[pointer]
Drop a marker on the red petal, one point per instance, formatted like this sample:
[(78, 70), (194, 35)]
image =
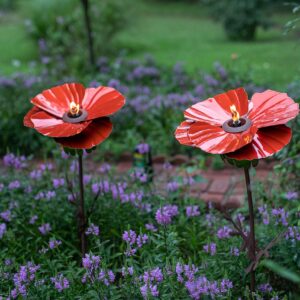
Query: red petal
[(102, 101), (272, 108), (49, 125), (93, 135), (214, 139), (266, 142), (181, 133), (216, 111), (56, 100), (27, 122)]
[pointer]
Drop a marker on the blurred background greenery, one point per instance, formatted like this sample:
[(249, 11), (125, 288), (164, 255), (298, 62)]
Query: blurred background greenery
[(187, 31)]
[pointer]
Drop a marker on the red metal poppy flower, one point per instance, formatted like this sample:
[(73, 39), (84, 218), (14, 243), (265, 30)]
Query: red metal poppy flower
[(230, 124), (74, 115)]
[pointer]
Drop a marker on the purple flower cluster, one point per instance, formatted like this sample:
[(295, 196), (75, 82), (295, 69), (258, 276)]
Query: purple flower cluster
[(105, 168), (172, 186), (118, 192), (133, 241), (23, 278), (139, 175), (2, 230), (281, 216), (210, 248), (150, 280), (234, 251), (58, 182), (44, 228), (60, 282), (13, 161), (292, 234), (48, 195), (92, 230), (127, 271), (6, 215), (54, 244), (201, 286), (291, 196), (224, 232), (143, 148), (165, 214), (264, 213), (151, 227), (94, 273), (36, 174), (265, 288), (14, 185), (192, 211)]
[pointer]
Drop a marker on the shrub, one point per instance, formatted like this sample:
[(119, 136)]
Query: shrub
[(241, 18), (63, 28)]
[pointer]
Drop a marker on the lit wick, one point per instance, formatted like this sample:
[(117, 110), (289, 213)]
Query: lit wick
[(235, 116), (74, 109)]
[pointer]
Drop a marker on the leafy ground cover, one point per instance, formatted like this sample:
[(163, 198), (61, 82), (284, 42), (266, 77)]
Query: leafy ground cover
[(144, 242)]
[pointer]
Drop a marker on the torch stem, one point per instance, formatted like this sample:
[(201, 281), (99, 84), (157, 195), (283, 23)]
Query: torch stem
[(81, 212), (251, 247)]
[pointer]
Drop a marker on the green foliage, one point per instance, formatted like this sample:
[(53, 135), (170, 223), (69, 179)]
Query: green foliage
[(64, 29), (7, 5), (241, 18)]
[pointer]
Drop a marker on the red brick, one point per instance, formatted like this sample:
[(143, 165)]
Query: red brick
[(220, 185), (179, 160), (124, 167), (200, 186), (212, 197), (159, 159), (234, 201)]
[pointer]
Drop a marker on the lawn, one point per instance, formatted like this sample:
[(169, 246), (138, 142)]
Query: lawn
[(174, 32), (15, 45)]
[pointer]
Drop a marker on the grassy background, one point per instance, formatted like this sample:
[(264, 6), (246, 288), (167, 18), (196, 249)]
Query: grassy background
[(174, 32)]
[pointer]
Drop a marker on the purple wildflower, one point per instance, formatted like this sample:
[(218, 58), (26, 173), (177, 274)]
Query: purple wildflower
[(210, 248), (58, 182), (192, 211), (14, 185), (151, 227), (44, 228), (224, 232), (291, 196), (265, 288), (281, 216), (2, 230), (172, 186), (92, 230), (165, 214), (234, 251), (54, 244), (60, 282), (143, 148), (6, 215), (33, 219)]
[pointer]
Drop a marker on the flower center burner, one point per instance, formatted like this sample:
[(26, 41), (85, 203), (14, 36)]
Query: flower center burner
[(236, 126), (81, 116)]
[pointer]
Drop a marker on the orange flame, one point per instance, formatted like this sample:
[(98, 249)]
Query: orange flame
[(74, 108), (235, 113)]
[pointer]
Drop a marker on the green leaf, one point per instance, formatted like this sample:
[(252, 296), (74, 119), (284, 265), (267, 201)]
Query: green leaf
[(281, 271)]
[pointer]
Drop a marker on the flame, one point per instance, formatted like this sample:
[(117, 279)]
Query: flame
[(74, 108), (235, 113)]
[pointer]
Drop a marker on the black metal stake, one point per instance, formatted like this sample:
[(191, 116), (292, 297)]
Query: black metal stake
[(87, 20), (252, 246)]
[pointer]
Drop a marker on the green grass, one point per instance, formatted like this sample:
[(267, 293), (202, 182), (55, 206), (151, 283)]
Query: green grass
[(174, 32), (15, 44), (177, 32)]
